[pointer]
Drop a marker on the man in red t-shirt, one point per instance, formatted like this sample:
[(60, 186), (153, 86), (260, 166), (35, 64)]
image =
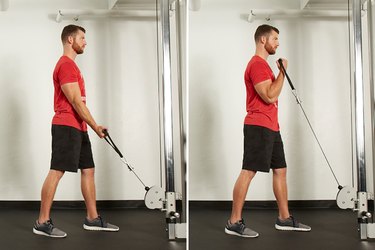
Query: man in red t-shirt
[(71, 147), (263, 146)]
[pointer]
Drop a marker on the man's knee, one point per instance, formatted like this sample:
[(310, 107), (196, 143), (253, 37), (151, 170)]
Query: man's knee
[(56, 174), (88, 171), (248, 173), (279, 172)]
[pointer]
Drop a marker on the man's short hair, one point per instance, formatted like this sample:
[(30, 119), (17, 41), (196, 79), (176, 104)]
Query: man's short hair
[(70, 30), (264, 30)]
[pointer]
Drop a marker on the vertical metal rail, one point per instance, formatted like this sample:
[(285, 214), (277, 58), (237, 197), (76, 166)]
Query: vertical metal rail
[(371, 79), (160, 92), (359, 114), (181, 15), (167, 115), (167, 92), (351, 75), (167, 96), (359, 96)]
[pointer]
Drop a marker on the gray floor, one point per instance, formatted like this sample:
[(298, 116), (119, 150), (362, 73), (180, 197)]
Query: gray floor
[(332, 229), (139, 229)]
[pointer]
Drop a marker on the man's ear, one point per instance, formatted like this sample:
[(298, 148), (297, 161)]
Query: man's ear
[(70, 39), (263, 39)]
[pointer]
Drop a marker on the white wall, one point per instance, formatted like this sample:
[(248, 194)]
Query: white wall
[(119, 66), (221, 43)]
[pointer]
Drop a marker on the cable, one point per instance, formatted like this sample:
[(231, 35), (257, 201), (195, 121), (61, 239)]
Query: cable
[(109, 140), (308, 121)]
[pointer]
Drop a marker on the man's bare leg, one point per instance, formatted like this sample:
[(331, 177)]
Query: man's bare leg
[(89, 192), (281, 192), (93, 222), (239, 194), (48, 193)]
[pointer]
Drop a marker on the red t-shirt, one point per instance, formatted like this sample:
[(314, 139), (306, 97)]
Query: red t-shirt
[(66, 71), (259, 112)]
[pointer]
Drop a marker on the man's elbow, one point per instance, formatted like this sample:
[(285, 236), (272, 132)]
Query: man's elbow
[(273, 100), (270, 100), (76, 102), (267, 97)]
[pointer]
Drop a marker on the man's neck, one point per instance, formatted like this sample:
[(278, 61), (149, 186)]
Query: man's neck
[(70, 53), (262, 53)]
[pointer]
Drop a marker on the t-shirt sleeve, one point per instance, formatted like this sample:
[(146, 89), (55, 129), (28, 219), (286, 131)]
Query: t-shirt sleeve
[(259, 73), (67, 73)]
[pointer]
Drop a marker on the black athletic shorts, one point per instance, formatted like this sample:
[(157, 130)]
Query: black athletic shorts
[(71, 149), (263, 149)]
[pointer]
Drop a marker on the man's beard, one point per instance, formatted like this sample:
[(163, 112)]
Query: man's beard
[(269, 49), (77, 48)]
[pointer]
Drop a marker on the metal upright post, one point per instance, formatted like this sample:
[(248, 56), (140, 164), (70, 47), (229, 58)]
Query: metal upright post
[(181, 15), (167, 95), (359, 117), (370, 230), (371, 45), (167, 117)]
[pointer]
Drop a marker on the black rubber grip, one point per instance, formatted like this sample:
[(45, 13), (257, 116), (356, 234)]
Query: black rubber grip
[(286, 74)]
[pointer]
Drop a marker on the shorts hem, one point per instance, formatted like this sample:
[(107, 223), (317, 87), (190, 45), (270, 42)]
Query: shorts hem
[(257, 170), (65, 170), (70, 170), (262, 170)]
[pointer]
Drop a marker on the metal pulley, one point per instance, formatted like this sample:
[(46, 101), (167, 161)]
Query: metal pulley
[(155, 198), (346, 198)]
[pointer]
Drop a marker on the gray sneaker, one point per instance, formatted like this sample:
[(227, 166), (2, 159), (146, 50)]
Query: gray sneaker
[(291, 224), (239, 229), (99, 224), (48, 229)]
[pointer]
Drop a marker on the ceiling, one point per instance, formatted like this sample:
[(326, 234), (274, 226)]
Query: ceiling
[(242, 5), (16, 5), (26, 5), (133, 4), (135, 1), (328, 4), (205, 4)]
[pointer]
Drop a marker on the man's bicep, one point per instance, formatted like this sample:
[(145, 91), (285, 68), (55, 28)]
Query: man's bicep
[(71, 91), (262, 89)]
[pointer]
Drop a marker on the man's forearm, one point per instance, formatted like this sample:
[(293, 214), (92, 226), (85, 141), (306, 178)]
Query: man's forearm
[(84, 113), (276, 87)]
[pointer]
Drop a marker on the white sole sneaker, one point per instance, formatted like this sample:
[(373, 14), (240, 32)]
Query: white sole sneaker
[(286, 228), (48, 235), (227, 231), (94, 228)]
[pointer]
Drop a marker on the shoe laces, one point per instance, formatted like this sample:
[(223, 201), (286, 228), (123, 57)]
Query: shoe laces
[(241, 223), (49, 224), (294, 221), (101, 221)]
